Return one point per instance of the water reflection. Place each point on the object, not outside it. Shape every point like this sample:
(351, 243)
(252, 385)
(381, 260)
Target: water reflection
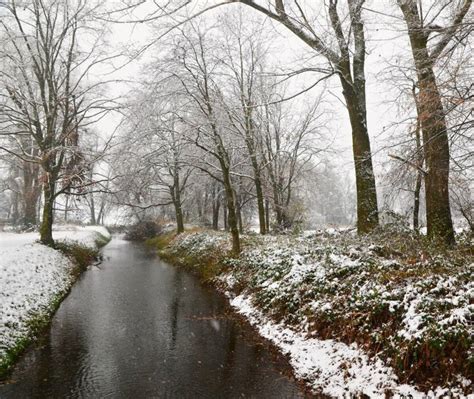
(139, 328)
(177, 283)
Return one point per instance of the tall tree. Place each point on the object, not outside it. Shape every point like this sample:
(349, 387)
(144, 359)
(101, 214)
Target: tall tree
(197, 73)
(245, 58)
(43, 91)
(431, 110)
(288, 146)
(344, 49)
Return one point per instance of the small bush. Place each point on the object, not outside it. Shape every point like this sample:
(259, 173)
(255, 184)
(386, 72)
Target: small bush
(142, 231)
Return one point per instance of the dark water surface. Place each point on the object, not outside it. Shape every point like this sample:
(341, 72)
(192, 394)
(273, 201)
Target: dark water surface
(139, 328)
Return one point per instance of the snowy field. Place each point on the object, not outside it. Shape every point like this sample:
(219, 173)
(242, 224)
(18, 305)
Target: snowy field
(287, 286)
(33, 277)
(85, 235)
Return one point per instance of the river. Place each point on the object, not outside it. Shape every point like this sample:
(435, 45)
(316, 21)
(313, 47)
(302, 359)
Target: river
(137, 327)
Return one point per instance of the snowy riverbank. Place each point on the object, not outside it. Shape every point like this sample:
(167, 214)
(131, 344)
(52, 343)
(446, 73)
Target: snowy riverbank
(354, 316)
(33, 280)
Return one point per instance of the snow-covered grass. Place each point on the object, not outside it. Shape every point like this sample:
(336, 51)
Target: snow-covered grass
(33, 280)
(383, 313)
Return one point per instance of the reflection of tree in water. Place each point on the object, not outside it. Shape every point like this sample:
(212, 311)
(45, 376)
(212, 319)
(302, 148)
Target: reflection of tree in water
(242, 360)
(177, 291)
(229, 358)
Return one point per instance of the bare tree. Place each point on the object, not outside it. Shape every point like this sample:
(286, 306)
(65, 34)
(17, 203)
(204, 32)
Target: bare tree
(196, 71)
(44, 95)
(245, 60)
(426, 53)
(153, 132)
(288, 148)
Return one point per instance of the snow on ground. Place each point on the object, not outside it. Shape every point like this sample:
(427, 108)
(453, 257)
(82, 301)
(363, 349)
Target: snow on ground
(85, 235)
(32, 277)
(332, 367)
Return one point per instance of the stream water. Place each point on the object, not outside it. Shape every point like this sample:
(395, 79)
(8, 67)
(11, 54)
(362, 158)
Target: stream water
(136, 327)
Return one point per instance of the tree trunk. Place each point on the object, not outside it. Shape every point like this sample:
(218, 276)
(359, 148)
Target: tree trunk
(39, 205)
(419, 163)
(416, 203)
(256, 171)
(239, 216)
(419, 179)
(100, 216)
(434, 129)
(436, 151)
(177, 202)
(31, 193)
(224, 216)
(179, 217)
(260, 203)
(367, 209)
(231, 211)
(267, 215)
(31, 201)
(276, 205)
(286, 222)
(178, 211)
(14, 210)
(46, 228)
(216, 204)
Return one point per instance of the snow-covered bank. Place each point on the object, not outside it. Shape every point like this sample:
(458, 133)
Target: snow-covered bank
(33, 279)
(334, 368)
(353, 315)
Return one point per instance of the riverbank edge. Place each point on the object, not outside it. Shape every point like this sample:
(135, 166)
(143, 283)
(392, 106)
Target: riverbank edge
(81, 257)
(213, 269)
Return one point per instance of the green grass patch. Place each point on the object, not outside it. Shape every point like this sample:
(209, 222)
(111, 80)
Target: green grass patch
(81, 255)
(206, 268)
(207, 265)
